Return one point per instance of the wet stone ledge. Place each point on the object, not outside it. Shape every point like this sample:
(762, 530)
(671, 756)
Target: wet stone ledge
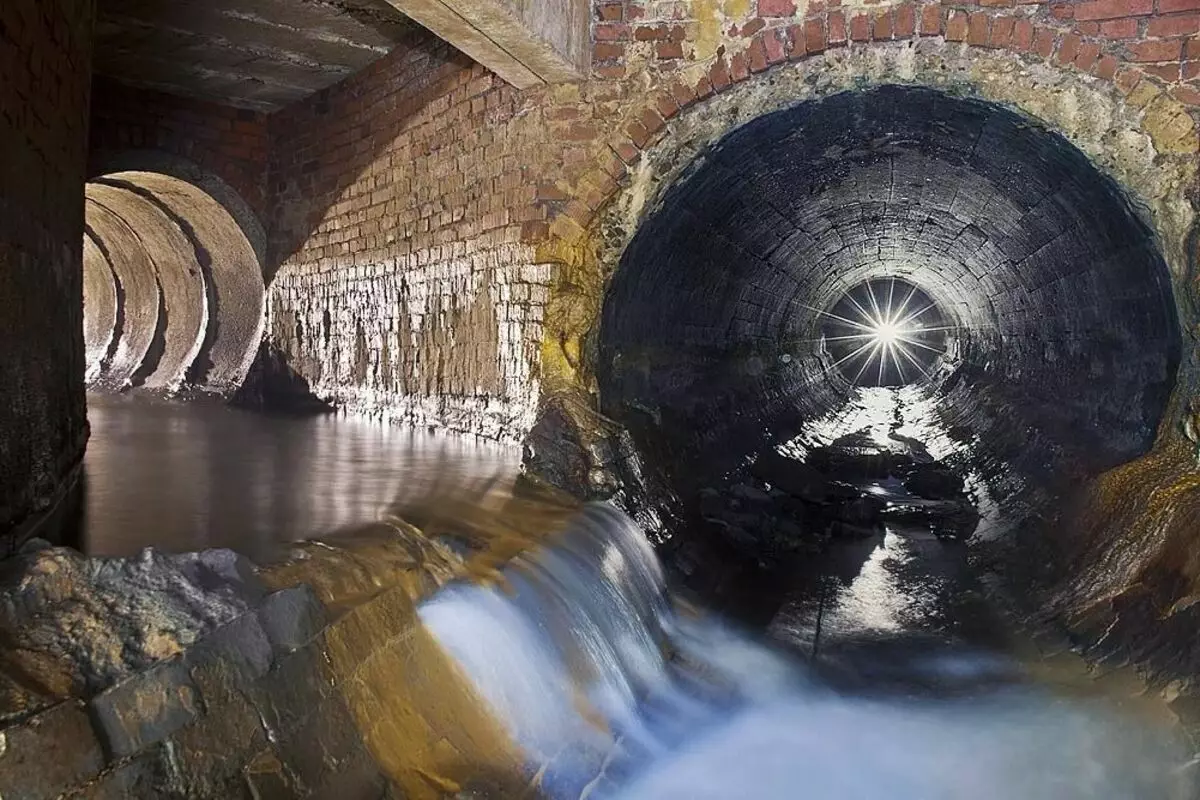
(247, 712)
(203, 675)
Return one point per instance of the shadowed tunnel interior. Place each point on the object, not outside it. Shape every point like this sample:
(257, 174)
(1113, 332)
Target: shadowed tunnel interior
(173, 290)
(1057, 343)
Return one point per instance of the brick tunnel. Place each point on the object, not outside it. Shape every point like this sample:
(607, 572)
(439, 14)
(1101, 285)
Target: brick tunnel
(725, 329)
(316, 312)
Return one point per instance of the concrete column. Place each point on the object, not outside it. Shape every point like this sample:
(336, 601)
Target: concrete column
(45, 58)
(525, 42)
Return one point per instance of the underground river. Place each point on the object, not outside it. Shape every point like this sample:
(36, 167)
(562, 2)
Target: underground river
(874, 665)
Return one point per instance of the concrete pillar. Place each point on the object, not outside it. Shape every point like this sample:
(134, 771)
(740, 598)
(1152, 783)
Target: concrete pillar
(525, 42)
(45, 58)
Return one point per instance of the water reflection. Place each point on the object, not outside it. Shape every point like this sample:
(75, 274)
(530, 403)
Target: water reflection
(186, 476)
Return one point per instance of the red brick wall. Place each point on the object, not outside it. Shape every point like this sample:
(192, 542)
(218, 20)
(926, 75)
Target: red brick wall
(45, 63)
(416, 184)
(230, 143)
(400, 197)
(1123, 41)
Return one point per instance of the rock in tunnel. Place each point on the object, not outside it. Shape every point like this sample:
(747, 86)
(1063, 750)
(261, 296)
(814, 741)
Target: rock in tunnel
(1041, 325)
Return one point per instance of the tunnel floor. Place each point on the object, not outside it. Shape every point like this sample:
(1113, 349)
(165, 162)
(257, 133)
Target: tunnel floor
(889, 622)
(864, 605)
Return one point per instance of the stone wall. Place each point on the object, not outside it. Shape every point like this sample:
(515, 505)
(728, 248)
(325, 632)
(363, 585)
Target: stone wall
(45, 60)
(425, 178)
(400, 210)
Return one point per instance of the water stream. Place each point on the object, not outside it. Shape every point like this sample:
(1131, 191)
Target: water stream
(882, 673)
(614, 691)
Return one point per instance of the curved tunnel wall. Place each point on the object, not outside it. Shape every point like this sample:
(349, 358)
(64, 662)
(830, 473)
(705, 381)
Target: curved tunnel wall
(187, 296)
(1066, 342)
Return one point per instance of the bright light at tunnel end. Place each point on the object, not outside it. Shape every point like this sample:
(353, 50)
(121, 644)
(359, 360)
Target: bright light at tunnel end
(885, 332)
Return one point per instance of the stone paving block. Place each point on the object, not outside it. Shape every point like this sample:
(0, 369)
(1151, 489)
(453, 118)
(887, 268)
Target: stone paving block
(141, 778)
(323, 744)
(241, 643)
(145, 709)
(359, 778)
(292, 617)
(267, 778)
(288, 693)
(54, 751)
(209, 753)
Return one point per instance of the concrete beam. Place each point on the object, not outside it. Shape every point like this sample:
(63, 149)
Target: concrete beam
(525, 42)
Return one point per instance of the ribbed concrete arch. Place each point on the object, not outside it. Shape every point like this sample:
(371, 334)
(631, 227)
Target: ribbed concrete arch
(184, 300)
(111, 162)
(138, 299)
(99, 306)
(231, 271)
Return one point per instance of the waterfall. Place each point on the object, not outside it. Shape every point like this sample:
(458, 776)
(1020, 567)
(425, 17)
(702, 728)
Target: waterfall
(614, 690)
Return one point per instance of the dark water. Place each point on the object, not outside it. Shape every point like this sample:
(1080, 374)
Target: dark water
(886, 612)
(187, 476)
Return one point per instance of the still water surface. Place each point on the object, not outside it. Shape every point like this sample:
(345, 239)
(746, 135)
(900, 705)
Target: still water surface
(186, 476)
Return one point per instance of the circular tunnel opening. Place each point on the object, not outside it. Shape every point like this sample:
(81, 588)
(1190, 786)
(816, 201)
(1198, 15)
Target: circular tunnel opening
(742, 336)
(173, 289)
(884, 332)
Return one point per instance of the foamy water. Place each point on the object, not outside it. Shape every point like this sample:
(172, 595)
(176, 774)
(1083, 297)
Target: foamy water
(613, 693)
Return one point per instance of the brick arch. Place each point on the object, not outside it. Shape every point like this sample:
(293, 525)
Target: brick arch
(1153, 156)
(1175, 105)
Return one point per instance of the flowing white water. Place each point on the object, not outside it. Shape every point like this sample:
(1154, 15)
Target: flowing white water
(614, 692)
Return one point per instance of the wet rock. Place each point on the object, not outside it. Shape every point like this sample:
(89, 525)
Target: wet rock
(852, 463)
(793, 477)
(78, 626)
(241, 644)
(749, 494)
(268, 777)
(934, 482)
(864, 510)
(209, 753)
(146, 776)
(49, 754)
(145, 709)
(292, 617)
(950, 518)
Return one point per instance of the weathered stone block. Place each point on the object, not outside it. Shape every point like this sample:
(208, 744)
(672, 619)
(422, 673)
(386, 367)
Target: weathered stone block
(142, 778)
(145, 709)
(292, 617)
(53, 752)
(242, 644)
(288, 693)
(326, 742)
(267, 778)
(359, 778)
(209, 753)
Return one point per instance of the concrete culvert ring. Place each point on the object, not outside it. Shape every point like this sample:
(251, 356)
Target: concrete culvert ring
(190, 291)
(233, 276)
(99, 306)
(138, 306)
